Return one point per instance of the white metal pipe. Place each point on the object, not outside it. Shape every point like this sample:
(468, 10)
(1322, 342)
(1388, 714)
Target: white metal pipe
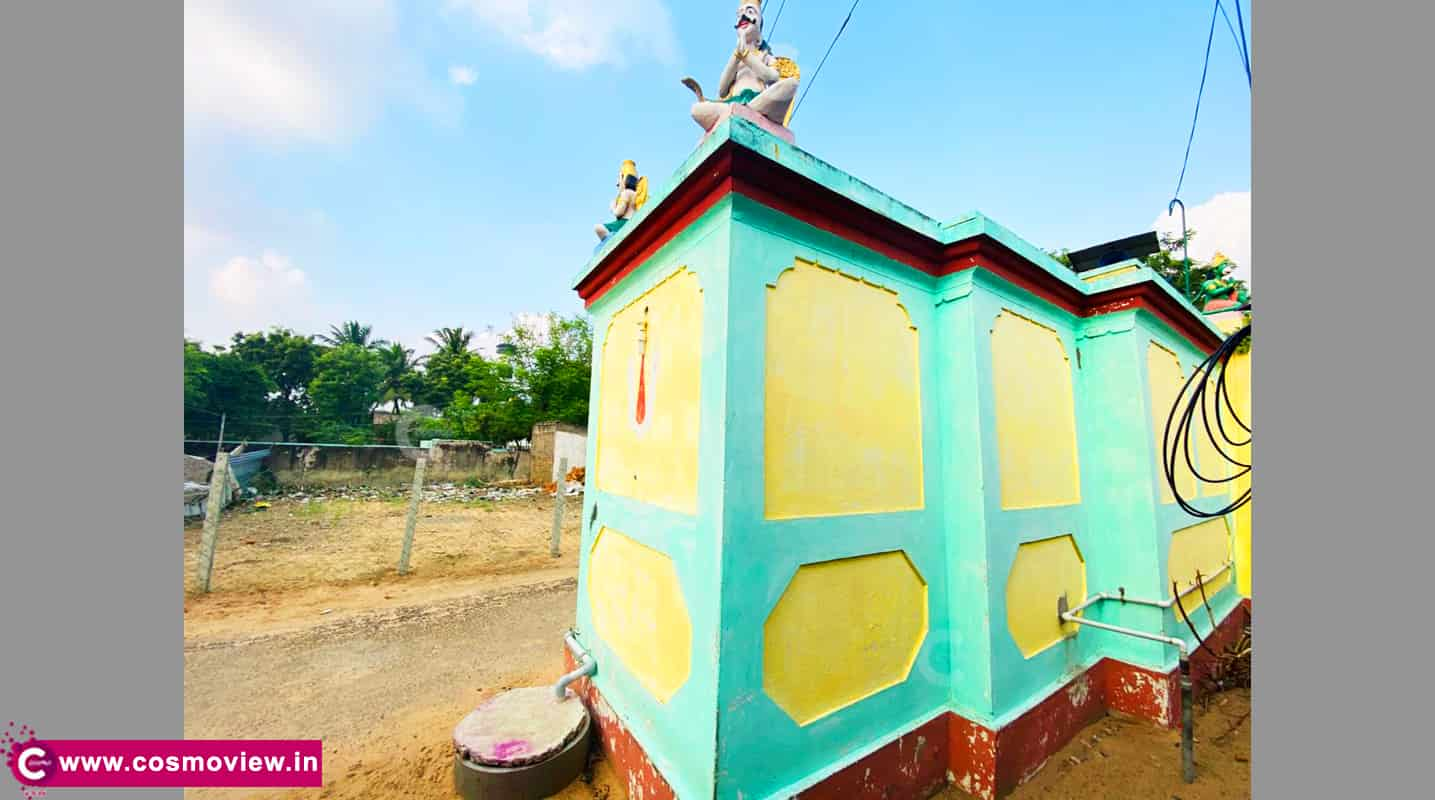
(1155, 637)
(586, 665)
(1167, 603)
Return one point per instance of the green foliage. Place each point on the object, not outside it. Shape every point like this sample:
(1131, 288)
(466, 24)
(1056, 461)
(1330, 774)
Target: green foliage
(346, 385)
(452, 341)
(1169, 263)
(401, 378)
(223, 384)
(351, 332)
(285, 386)
(288, 359)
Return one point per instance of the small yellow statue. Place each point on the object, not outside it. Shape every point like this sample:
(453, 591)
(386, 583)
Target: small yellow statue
(632, 195)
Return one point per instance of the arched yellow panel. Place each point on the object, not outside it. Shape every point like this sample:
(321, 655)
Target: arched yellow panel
(638, 609)
(842, 631)
(1042, 572)
(649, 396)
(1035, 415)
(1163, 372)
(1238, 384)
(843, 406)
(1210, 462)
(1204, 547)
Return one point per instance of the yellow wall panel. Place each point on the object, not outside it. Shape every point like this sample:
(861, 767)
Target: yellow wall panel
(638, 609)
(843, 406)
(1204, 547)
(654, 460)
(842, 631)
(1042, 572)
(1035, 415)
(1163, 372)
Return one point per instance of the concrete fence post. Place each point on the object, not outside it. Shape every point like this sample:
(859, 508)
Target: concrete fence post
(558, 508)
(416, 496)
(218, 487)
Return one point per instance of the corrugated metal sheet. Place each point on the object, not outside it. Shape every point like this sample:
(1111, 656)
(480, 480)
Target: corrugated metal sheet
(246, 465)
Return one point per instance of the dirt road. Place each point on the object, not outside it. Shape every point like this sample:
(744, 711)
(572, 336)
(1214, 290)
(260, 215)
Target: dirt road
(382, 689)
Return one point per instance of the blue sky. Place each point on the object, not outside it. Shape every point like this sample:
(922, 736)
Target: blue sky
(442, 162)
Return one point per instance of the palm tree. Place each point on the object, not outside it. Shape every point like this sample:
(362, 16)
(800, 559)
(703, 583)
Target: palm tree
(451, 341)
(351, 332)
(399, 372)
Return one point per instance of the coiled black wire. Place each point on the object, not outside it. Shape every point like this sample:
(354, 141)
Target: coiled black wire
(1211, 371)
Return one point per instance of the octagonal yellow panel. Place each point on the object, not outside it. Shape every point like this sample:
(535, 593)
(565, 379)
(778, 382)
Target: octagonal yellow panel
(639, 611)
(842, 631)
(1203, 548)
(1042, 572)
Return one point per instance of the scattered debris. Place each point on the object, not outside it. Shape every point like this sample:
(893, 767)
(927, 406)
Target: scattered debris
(433, 493)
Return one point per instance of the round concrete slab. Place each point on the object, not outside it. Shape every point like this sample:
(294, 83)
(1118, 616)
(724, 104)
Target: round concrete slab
(540, 743)
(518, 727)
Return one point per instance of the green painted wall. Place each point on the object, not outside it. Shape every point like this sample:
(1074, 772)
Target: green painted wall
(720, 735)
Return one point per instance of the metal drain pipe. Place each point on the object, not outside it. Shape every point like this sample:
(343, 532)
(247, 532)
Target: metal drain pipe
(586, 665)
(1188, 722)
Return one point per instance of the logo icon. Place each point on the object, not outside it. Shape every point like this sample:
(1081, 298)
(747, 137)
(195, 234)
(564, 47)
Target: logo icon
(30, 760)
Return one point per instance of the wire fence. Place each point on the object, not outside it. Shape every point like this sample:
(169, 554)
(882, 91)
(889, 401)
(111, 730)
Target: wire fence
(315, 515)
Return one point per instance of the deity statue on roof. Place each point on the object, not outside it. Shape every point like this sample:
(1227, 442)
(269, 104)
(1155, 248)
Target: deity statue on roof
(632, 195)
(1221, 291)
(753, 77)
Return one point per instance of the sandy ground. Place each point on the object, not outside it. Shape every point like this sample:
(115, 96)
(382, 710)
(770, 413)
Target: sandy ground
(309, 633)
(1121, 759)
(284, 567)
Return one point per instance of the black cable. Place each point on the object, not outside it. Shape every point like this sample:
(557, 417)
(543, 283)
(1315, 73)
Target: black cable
(1240, 43)
(773, 30)
(1245, 47)
(1182, 415)
(1210, 37)
(1205, 601)
(820, 64)
(1176, 594)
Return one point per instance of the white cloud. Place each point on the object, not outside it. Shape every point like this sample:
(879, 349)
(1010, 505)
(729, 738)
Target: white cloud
(308, 70)
(1222, 223)
(786, 49)
(578, 34)
(270, 279)
(200, 242)
(462, 76)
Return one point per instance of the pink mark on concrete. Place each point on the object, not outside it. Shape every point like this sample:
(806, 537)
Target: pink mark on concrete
(740, 110)
(513, 747)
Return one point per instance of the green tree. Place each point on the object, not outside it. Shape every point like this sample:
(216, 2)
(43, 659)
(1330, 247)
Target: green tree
(220, 384)
(344, 391)
(452, 341)
(401, 377)
(351, 332)
(288, 359)
(1169, 263)
(551, 370)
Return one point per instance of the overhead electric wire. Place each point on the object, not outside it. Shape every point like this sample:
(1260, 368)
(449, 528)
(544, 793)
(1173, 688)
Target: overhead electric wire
(1240, 43)
(1245, 47)
(820, 64)
(776, 19)
(1205, 68)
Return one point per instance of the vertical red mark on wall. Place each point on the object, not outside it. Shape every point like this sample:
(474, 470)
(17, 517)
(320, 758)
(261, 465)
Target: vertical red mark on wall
(642, 410)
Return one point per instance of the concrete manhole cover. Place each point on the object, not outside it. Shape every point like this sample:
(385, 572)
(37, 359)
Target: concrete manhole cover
(524, 743)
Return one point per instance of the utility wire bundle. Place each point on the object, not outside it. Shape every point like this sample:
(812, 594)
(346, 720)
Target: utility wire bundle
(1176, 444)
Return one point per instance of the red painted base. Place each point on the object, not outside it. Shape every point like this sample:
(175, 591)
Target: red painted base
(620, 748)
(950, 749)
